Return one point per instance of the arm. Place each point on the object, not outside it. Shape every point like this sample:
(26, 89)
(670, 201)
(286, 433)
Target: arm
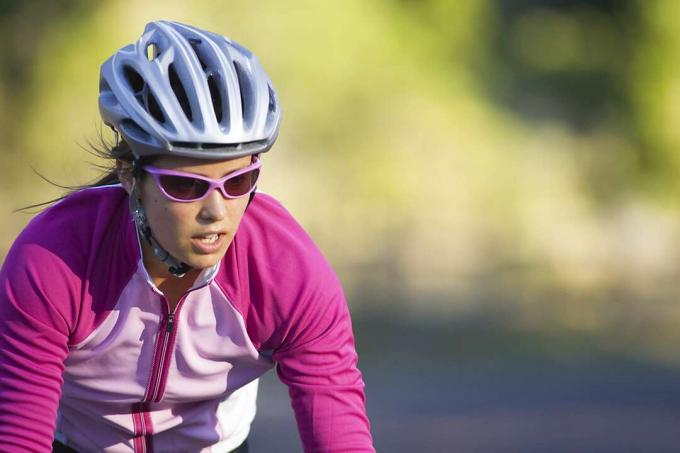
(294, 306)
(33, 345)
(319, 366)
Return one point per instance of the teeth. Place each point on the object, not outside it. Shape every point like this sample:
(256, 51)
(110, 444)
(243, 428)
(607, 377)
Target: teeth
(209, 239)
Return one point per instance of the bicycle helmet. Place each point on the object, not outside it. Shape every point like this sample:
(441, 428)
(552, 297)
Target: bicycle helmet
(182, 91)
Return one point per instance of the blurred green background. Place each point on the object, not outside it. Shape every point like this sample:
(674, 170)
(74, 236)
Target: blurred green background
(494, 181)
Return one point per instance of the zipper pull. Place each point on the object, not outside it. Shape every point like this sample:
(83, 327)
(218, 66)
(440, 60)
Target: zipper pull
(171, 322)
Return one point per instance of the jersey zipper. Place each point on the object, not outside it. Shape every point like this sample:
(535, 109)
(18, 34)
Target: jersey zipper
(143, 441)
(161, 361)
(170, 322)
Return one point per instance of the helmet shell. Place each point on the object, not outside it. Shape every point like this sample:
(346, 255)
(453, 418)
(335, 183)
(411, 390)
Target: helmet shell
(182, 91)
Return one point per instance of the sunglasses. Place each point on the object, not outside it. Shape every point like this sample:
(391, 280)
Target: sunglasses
(188, 187)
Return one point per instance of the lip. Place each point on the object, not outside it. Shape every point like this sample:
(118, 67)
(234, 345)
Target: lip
(206, 249)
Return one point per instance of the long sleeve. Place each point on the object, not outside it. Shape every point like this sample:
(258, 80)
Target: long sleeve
(296, 313)
(33, 345)
(320, 369)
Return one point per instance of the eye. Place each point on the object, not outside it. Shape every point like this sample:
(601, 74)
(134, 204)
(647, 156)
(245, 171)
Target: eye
(182, 187)
(241, 184)
(237, 180)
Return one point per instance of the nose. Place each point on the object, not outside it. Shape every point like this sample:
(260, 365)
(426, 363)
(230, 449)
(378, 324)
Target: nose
(214, 207)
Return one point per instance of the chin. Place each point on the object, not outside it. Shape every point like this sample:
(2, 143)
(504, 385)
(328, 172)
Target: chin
(203, 262)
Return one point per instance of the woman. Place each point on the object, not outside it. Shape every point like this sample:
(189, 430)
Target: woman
(139, 313)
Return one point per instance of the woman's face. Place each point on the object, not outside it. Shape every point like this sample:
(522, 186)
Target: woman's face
(197, 233)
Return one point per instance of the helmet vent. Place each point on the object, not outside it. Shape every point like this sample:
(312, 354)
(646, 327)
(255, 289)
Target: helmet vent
(152, 51)
(132, 129)
(256, 144)
(196, 45)
(104, 86)
(246, 93)
(179, 91)
(133, 78)
(154, 108)
(272, 100)
(215, 96)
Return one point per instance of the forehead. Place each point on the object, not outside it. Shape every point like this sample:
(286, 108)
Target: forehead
(214, 168)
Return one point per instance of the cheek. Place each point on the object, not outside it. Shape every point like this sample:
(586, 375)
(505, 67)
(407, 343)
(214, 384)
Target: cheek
(165, 218)
(236, 211)
(173, 218)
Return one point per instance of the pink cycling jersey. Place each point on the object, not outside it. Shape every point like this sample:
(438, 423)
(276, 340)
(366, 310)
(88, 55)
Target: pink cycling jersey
(89, 352)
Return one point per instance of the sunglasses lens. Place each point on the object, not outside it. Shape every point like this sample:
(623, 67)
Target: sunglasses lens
(241, 184)
(183, 188)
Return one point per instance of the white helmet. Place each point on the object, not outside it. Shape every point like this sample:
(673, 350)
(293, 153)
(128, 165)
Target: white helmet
(181, 91)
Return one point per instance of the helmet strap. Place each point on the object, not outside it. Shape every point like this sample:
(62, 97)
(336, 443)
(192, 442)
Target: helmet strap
(175, 267)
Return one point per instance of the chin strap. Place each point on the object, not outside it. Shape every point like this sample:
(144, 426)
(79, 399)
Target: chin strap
(175, 267)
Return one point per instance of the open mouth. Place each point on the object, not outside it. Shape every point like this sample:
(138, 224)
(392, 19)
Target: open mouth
(209, 239)
(208, 243)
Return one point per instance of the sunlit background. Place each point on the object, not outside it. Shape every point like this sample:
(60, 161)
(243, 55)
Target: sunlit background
(495, 182)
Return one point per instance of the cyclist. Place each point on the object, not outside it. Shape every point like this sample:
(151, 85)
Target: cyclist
(138, 313)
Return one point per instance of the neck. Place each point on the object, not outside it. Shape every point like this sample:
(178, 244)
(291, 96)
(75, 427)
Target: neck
(173, 287)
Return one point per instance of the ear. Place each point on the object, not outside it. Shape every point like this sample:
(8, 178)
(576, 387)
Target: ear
(125, 176)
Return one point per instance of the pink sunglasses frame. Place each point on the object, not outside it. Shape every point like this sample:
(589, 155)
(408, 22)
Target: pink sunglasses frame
(156, 173)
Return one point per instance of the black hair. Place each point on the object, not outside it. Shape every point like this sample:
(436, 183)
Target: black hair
(110, 154)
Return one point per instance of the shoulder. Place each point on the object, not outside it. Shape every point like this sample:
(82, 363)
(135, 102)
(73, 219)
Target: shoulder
(73, 225)
(274, 273)
(79, 249)
(273, 233)
(278, 245)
